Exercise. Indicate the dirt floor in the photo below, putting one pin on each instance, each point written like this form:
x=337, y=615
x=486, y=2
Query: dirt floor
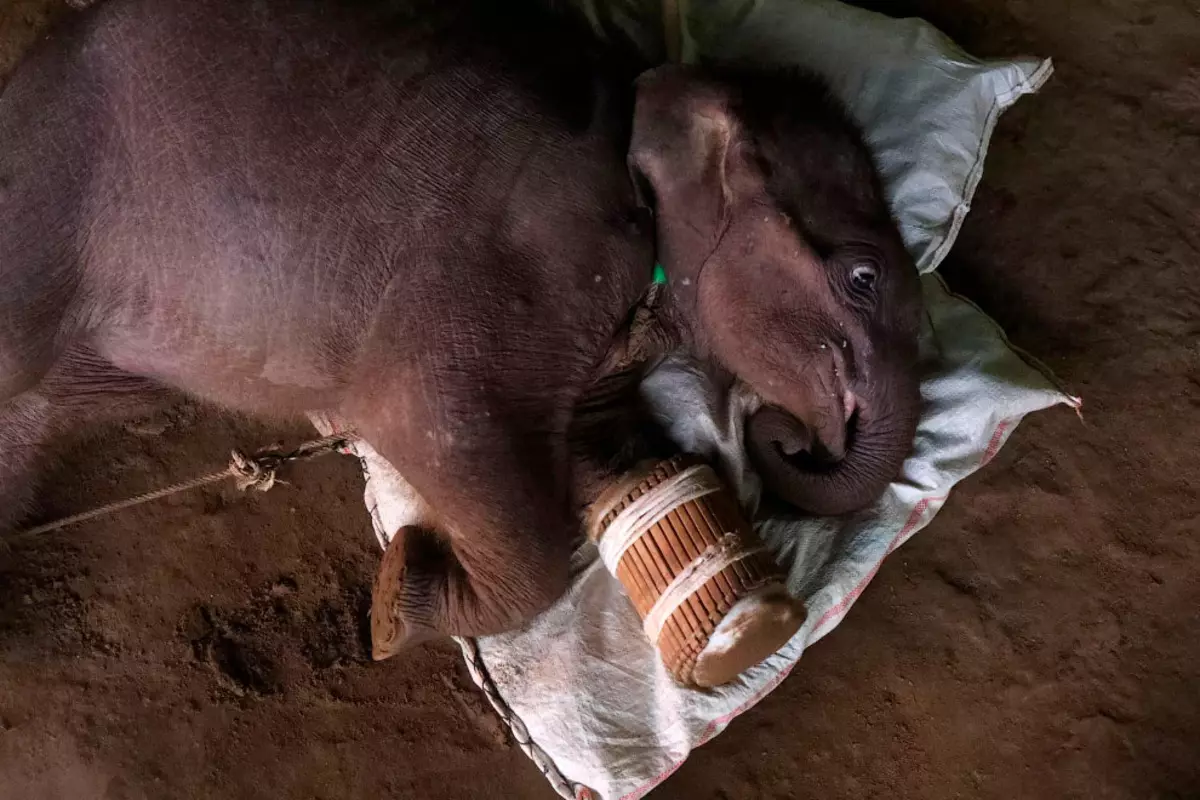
x=1041, y=639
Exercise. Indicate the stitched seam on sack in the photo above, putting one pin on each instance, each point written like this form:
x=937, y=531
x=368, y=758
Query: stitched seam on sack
x=1000, y=104
x=565, y=788
x=1072, y=400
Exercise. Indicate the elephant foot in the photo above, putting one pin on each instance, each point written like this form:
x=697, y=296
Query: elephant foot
x=391, y=631
x=424, y=590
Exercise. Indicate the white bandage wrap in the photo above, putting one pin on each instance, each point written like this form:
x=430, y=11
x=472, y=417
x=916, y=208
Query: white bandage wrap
x=643, y=513
x=707, y=566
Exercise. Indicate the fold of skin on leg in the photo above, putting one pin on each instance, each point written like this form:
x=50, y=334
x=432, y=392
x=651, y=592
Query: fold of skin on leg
x=81, y=386
x=24, y=431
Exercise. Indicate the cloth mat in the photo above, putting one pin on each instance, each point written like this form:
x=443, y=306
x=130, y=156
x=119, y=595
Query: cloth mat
x=581, y=688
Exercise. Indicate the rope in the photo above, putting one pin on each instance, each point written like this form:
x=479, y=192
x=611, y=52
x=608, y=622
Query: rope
x=256, y=472
x=636, y=519
x=704, y=568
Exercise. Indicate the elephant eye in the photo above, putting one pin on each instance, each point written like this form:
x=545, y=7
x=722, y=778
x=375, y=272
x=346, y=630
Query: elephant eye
x=863, y=276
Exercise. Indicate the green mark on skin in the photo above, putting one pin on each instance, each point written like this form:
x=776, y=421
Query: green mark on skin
x=660, y=274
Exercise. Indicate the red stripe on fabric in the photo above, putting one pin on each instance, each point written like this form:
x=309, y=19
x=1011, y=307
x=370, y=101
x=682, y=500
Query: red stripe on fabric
x=994, y=445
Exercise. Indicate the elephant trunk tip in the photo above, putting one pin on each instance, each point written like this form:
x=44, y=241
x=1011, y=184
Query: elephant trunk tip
x=844, y=474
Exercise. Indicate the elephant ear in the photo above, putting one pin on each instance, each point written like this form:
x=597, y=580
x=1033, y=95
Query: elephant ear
x=679, y=159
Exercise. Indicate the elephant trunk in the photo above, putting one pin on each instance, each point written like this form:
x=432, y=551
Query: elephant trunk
x=879, y=442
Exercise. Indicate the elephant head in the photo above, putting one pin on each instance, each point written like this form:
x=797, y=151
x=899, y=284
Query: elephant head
x=787, y=270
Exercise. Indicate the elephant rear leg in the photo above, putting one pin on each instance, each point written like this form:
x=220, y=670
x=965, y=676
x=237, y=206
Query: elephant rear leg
x=81, y=387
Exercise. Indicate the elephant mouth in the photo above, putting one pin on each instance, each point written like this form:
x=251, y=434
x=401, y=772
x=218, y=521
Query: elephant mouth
x=815, y=444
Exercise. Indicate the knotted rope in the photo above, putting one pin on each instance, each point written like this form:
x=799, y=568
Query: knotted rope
x=258, y=472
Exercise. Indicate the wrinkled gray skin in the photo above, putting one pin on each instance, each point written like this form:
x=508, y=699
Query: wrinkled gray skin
x=280, y=206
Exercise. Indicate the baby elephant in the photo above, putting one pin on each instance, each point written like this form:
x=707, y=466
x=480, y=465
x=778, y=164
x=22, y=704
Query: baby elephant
x=440, y=232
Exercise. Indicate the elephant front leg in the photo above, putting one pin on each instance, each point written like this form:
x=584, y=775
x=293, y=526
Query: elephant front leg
x=505, y=514
x=501, y=547
x=493, y=550
x=397, y=593
x=423, y=590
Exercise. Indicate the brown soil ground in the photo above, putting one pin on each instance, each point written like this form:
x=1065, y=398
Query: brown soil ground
x=1041, y=639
